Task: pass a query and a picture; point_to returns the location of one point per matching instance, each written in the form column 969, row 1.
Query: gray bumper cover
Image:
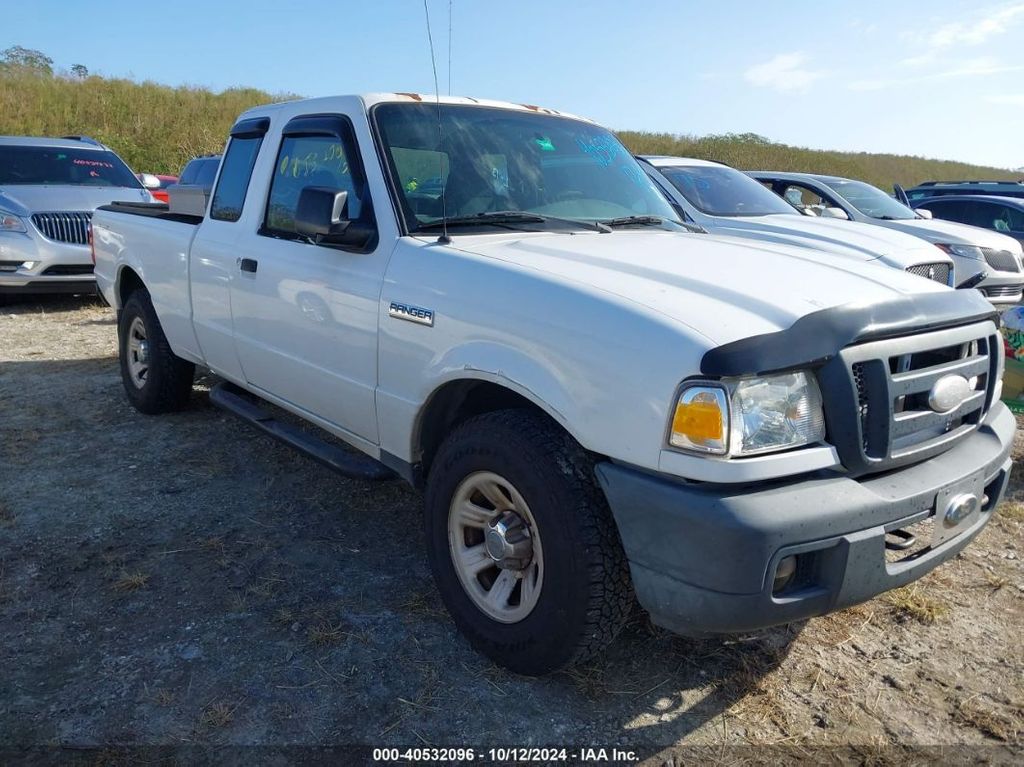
column 703, row 556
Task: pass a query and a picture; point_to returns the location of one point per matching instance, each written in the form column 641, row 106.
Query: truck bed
column 152, row 210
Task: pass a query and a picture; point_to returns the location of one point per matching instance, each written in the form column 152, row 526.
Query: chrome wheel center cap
column 143, row 354
column 508, row 542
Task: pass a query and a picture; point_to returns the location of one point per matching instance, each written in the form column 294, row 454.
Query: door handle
column 248, row 264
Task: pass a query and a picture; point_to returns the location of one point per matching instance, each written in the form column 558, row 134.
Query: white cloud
column 991, row 22
column 1011, row 99
column 785, row 72
column 985, row 65
column 918, row 61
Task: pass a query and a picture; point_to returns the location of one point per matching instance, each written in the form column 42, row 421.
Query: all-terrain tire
column 586, row 594
column 167, row 382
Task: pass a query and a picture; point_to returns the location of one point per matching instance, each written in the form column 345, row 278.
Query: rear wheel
column 522, row 544
column 155, row 379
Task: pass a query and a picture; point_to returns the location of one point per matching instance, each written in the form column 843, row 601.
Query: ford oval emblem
column 948, row 393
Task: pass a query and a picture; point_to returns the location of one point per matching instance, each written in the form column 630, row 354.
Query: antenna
column 444, row 239
column 449, row 47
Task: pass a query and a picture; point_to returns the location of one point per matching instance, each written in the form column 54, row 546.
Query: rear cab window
column 229, row 197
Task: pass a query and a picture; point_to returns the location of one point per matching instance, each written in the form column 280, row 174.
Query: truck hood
column 723, row 288
column 952, row 233
column 24, row 200
column 850, row 239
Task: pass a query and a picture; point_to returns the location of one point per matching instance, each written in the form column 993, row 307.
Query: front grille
column 1002, row 260
column 1002, row 291
column 68, row 270
column 937, row 272
column 66, row 226
column 890, row 421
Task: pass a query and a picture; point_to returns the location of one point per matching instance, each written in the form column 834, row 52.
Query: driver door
column 305, row 315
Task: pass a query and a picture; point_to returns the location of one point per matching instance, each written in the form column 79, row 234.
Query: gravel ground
column 181, row 580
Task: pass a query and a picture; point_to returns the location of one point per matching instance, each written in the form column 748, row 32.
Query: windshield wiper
column 633, row 221
column 508, row 218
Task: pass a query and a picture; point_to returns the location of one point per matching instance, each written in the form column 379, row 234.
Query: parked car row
column 973, row 250
column 614, row 379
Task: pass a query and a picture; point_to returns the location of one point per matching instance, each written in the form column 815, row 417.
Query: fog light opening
column 784, row 574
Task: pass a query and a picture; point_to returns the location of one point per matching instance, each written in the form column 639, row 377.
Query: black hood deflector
column 817, row 337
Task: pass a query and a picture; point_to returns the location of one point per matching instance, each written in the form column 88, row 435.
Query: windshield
column 492, row 160
column 59, row 166
column 721, row 191
column 870, row 200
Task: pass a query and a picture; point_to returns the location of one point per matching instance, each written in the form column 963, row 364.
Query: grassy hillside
column 157, row 128
column 752, row 152
column 153, row 127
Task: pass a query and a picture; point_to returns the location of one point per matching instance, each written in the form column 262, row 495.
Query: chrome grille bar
column 64, row 226
column 891, row 382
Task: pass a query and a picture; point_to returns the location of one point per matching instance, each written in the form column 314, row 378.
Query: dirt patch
column 183, row 580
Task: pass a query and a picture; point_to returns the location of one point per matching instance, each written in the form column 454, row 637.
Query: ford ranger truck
column 494, row 302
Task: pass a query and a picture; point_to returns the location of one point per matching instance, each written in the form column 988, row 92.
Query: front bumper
column 703, row 557
column 54, row 267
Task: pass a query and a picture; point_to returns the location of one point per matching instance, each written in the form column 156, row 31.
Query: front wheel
column 522, row 544
column 155, row 379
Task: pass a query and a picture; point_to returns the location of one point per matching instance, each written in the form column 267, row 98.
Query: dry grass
column 759, row 688
column 421, row 604
column 324, row 633
column 911, row 603
column 283, row 617
column 1011, row 510
column 130, row 582
column 987, row 719
column 162, row 697
column 217, row 715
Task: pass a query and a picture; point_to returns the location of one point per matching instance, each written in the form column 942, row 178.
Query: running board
column 349, row 464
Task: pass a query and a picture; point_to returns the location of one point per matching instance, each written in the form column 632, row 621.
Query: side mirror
column 322, row 216
column 834, row 213
column 149, row 180
column 924, row 213
column 321, row 211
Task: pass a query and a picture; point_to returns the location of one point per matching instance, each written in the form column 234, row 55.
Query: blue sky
column 942, row 79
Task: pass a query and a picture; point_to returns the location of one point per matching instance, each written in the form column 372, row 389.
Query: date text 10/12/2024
column 505, row 754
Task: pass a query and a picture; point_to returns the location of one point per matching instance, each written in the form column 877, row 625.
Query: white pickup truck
column 495, row 303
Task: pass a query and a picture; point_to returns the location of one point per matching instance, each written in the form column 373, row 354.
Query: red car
column 159, row 191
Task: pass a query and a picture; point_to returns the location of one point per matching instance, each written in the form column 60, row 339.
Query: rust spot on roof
column 531, row 107
column 413, row 96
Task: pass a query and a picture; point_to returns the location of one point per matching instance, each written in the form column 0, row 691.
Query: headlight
column 964, row 251
column 750, row 415
column 775, row 413
column 11, row 223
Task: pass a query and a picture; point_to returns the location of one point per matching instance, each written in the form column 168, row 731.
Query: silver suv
column 49, row 189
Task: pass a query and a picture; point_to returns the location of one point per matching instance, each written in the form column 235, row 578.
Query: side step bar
column 349, row 464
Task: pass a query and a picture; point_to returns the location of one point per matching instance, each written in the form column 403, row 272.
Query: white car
column 723, row 200
column 973, row 249
column 597, row 402
column 48, row 191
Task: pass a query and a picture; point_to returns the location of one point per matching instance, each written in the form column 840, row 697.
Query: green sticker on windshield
column 545, row 144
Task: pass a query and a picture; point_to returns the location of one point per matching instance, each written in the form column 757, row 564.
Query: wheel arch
column 128, row 281
column 455, row 401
